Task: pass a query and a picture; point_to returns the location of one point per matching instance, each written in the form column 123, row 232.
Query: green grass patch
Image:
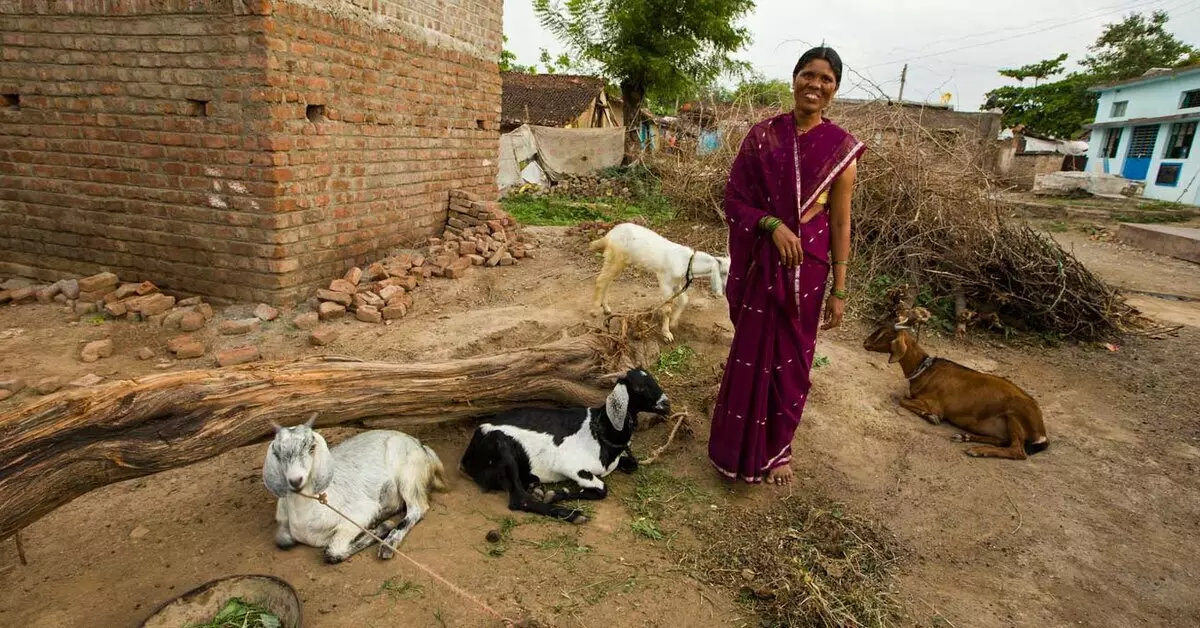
column 821, row 361
column 657, row 494
column 398, row 589
column 641, row 197
column 1058, row 226
column 238, row 613
column 1155, row 218
column 677, row 361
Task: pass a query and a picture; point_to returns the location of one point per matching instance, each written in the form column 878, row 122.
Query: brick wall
column 403, row 123
column 238, row 149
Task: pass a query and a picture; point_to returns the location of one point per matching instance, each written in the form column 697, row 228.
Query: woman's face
column 814, row 87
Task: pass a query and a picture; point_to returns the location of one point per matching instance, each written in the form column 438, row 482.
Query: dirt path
column 1098, row 531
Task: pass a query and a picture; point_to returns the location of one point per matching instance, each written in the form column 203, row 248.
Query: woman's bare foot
column 781, row 475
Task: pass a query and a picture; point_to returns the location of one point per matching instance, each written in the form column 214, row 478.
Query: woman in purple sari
column 788, row 208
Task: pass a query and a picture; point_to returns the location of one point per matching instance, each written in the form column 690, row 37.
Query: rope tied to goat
column 323, row 499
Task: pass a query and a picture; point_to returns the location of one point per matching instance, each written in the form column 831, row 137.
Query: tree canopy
column 1124, row 50
column 663, row 48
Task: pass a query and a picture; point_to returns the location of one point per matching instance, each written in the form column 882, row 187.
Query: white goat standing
column 370, row 477
column 674, row 265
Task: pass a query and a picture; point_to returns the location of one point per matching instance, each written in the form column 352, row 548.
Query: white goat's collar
column 922, row 367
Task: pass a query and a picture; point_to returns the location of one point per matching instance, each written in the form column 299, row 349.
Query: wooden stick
column 670, row 437
column 20, row 548
column 67, row 444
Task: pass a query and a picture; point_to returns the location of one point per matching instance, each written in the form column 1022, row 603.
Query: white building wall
column 1155, row 98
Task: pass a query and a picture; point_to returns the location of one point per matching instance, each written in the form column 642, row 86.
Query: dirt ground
column 1097, row 531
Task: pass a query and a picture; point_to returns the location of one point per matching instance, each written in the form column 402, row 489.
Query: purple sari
column 775, row 310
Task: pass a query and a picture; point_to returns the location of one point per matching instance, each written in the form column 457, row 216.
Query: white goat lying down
column 674, row 264
column 371, row 477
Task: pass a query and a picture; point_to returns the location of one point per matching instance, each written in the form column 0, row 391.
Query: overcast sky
column 953, row 46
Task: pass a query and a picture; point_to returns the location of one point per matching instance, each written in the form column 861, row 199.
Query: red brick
column 239, row 327
column 322, row 336
column 192, row 321
column 175, row 343
column 368, row 314
column 96, row 350
column 265, row 312
column 329, row 311
column 390, row 291
column 21, row 295
column 354, row 275
column 376, row 272
column 393, row 312
column 116, row 310
column 341, row 298
column 98, row 282
column 239, row 355
column 341, row 285
column 306, row 321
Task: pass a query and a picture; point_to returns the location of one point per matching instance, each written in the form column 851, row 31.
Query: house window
column 1191, row 99
column 1180, row 144
column 1168, row 175
column 1111, row 142
column 1141, row 144
column 1118, row 109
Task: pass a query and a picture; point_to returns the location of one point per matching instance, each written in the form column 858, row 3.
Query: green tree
column 561, row 64
column 1039, row 71
column 1124, row 50
column 1134, row 46
column 508, row 61
column 662, row 48
column 763, row 92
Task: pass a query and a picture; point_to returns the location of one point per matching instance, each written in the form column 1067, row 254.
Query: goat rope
column 323, row 500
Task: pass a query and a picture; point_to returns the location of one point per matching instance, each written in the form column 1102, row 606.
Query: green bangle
column 841, row 263
column 769, row 223
column 841, row 294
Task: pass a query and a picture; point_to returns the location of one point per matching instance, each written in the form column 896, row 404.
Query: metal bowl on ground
column 201, row 604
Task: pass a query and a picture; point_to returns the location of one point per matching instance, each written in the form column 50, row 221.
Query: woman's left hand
column 835, row 309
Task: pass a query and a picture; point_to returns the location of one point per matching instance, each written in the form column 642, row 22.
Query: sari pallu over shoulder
column 776, row 173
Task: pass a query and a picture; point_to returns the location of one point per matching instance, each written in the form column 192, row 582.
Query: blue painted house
column 1145, row 130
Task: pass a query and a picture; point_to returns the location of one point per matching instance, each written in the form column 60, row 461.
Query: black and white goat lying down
column 518, row 450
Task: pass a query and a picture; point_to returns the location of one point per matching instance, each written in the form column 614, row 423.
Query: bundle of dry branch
column 925, row 215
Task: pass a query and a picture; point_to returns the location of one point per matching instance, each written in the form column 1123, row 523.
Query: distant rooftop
column 1155, row 74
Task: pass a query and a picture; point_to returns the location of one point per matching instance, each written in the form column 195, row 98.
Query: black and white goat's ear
column 617, row 406
column 312, row 420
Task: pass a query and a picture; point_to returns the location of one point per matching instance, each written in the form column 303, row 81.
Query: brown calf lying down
column 991, row 409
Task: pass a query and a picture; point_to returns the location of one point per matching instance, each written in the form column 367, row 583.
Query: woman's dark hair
column 820, row 52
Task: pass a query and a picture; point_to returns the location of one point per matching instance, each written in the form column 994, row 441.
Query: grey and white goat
column 371, row 477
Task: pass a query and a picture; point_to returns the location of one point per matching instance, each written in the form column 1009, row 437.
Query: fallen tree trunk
column 65, row 445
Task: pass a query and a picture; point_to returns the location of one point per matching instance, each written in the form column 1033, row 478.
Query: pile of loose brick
column 477, row 233
column 105, row 294
column 381, row 293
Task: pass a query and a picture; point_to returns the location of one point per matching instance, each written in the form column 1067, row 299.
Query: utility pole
column 903, row 80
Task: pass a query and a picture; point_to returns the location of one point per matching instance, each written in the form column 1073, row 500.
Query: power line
column 1099, row 12
column 1004, row 39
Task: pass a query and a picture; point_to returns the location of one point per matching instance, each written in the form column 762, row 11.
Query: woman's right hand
column 790, row 249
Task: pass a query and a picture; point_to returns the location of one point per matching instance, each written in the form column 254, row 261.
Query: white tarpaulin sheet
column 537, row 154
column 1075, row 149
column 578, row 151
